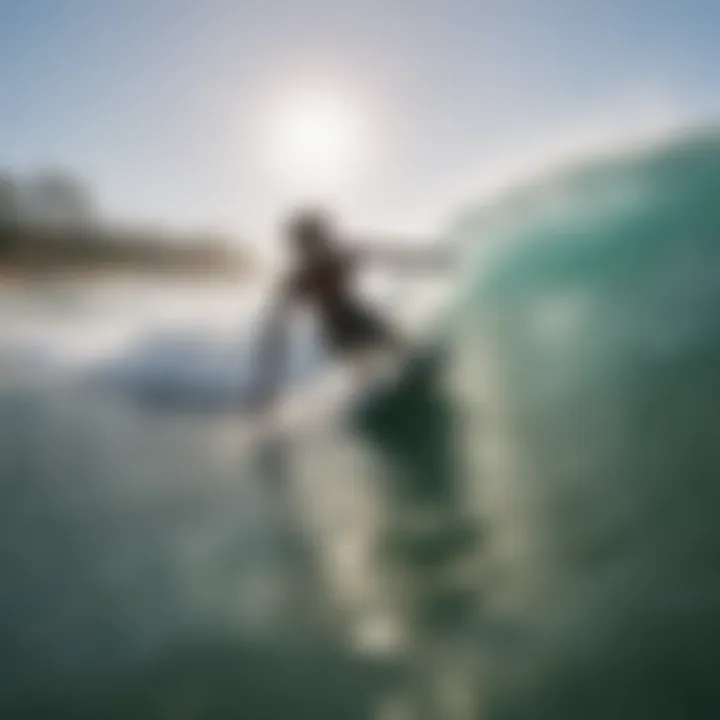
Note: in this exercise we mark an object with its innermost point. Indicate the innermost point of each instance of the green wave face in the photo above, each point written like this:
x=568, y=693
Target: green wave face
x=585, y=346
x=567, y=433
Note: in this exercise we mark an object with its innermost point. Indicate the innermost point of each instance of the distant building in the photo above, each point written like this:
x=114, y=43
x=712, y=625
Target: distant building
x=56, y=200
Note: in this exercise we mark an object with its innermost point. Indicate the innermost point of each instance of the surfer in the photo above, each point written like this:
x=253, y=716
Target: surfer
x=321, y=278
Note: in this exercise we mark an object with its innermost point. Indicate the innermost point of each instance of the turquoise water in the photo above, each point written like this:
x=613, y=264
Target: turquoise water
x=527, y=529
x=594, y=326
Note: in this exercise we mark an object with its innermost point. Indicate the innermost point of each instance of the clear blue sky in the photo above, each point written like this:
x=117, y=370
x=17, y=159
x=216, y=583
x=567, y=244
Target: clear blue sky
x=149, y=99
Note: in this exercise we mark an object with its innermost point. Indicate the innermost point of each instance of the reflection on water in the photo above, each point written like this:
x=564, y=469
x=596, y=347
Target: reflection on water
x=143, y=578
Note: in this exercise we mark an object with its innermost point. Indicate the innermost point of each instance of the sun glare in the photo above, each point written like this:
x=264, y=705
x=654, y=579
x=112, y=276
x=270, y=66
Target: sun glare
x=316, y=139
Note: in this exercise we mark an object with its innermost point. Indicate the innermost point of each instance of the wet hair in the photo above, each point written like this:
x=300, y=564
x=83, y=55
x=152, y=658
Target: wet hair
x=309, y=226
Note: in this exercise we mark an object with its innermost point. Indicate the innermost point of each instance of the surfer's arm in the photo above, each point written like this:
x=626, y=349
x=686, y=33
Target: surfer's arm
x=408, y=257
x=272, y=348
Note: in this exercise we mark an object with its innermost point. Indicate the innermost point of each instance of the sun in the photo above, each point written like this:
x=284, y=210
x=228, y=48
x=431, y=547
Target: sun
x=316, y=138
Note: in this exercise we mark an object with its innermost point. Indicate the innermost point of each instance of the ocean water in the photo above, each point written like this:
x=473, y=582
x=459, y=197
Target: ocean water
x=524, y=527
x=587, y=356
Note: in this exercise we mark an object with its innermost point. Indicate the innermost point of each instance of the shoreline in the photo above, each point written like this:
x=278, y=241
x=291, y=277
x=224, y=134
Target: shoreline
x=18, y=275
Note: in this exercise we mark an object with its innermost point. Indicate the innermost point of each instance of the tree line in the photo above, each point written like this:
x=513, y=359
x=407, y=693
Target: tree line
x=51, y=223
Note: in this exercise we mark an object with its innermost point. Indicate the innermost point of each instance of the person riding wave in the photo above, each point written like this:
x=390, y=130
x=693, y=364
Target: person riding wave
x=322, y=278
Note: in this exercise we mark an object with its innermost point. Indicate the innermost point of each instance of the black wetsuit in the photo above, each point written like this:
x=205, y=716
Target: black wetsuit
x=347, y=323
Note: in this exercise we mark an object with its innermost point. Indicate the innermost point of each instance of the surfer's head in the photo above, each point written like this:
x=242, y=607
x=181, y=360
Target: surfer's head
x=310, y=231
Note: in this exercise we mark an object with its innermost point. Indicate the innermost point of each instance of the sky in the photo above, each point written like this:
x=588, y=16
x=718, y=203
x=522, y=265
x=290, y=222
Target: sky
x=167, y=108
